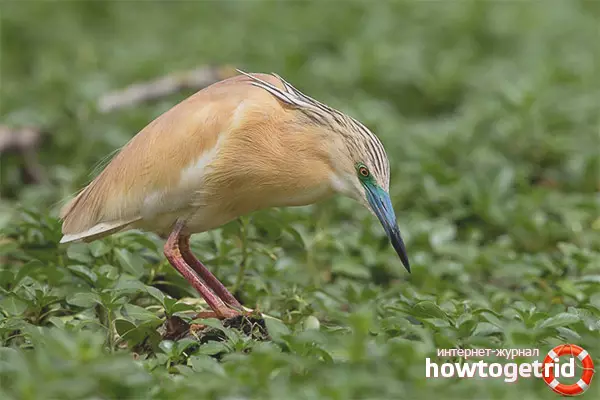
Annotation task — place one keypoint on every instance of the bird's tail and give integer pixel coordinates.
(82, 220)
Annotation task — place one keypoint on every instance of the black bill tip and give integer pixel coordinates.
(400, 248)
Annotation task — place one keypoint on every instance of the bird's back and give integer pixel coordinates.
(157, 172)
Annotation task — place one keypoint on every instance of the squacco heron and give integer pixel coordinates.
(242, 144)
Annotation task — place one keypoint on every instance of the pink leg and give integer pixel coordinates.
(173, 254)
(211, 281)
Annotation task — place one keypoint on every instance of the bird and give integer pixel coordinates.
(249, 142)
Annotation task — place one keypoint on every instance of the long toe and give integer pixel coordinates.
(219, 313)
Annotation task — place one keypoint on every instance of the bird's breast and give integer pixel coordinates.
(298, 196)
(230, 201)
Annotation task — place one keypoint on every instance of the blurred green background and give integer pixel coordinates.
(490, 115)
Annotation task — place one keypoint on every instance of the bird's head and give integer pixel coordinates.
(361, 171)
(359, 164)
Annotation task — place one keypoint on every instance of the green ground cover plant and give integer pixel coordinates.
(489, 112)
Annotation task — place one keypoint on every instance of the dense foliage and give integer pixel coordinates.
(489, 112)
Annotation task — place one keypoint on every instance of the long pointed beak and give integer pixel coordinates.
(380, 203)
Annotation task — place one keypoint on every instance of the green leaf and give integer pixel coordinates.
(156, 293)
(202, 363)
(6, 278)
(125, 328)
(296, 235)
(568, 334)
(169, 303)
(276, 328)
(137, 313)
(98, 248)
(13, 305)
(107, 273)
(80, 252)
(184, 344)
(211, 348)
(428, 309)
(84, 272)
(349, 268)
(167, 346)
(486, 329)
(127, 285)
(589, 319)
(562, 319)
(492, 319)
(28, 269)
(84, 299)
(180, 306)
(57, 322)
(438, 322)
(130, 262)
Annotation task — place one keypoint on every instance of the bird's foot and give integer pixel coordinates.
(250, 323)
(225, 314)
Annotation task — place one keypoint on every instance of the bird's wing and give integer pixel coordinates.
(156, 171)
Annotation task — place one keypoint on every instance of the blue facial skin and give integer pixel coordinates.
(381, 204)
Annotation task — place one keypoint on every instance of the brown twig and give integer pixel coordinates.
(148, 91)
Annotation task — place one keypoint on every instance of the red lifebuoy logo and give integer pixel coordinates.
(550, 362)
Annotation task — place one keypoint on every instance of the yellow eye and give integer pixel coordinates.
(363, 171)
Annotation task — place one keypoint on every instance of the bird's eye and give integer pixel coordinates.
(363, 171)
